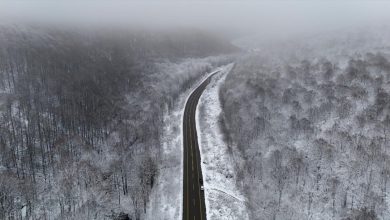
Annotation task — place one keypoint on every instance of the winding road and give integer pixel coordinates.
(193, 196)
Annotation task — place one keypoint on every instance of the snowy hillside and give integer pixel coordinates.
(82, 117)
(312, 123)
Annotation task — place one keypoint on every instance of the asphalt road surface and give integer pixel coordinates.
(193, 202)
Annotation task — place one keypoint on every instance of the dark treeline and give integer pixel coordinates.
(81, 116)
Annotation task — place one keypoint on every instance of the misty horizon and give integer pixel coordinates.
(273, 18)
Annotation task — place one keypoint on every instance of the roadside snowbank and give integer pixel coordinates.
(223, 199)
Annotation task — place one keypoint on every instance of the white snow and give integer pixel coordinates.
(223, 199)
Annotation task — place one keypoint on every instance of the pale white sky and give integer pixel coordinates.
(278, 17)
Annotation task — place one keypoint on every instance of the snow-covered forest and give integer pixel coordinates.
(81, 116)
(310, 120)
(203, 110)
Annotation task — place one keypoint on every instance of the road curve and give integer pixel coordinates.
(193, 197)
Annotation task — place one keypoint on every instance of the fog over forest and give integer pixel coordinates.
(265, 17)
(293, 123)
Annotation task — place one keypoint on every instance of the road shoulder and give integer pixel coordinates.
(223, 199)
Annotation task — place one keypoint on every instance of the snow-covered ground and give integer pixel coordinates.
(166, 200)
(223, 199)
